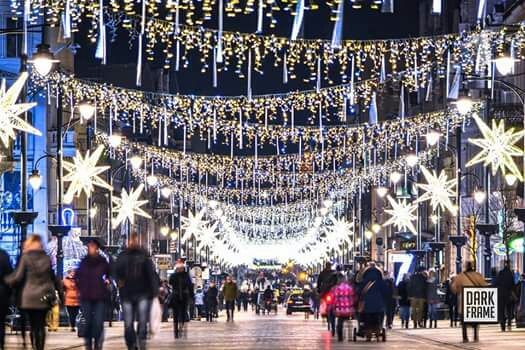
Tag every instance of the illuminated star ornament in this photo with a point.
(339, 232)
(84, 174)
(129, 205)
(497, 148)
(207, 236)
(192, 225)
(438, 190)
(10, 111)
(401, 215)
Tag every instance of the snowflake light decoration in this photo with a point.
(10, 111)
(401, 215)
(129, 205)
(438, 189)
(207, 236)
(193, 224)
(498, 146)
(339, 232)
(84, 174)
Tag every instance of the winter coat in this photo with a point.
(344, 299)
(466, 279)
(71, 293)
(5, 269)
(326, 280)
(91, 277)
(34, 271)
(451, 299)
(230, 291)
(506, 286)
(372, 291)
(210, 297)
(402, 291)
(135, 275)
(417, 286)
(432, 291)
(182, 288)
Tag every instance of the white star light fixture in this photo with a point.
(129, 205)
(401, 215)
(438, 189)
(207, 236)
(193, 224)
(339, 232)
(498, 146)
(83, 173)
(10, 111)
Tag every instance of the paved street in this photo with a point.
(289, 332)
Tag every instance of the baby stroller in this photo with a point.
(369, 325)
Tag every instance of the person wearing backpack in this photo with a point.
(182, 292)
(138, 285)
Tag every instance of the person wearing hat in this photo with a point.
(71, 300)
(92, 278)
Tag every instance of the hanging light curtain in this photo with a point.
(338, 26)
(436, 7)
(298, 20)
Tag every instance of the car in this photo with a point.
(296, 303)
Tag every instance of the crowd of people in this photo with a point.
(92, 291)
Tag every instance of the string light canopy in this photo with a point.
(84, 174)
(497, 148)
(128, 206)
(10, 111)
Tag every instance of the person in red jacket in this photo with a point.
(71, 297)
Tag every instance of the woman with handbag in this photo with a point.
(38, 289)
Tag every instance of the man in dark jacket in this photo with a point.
(210, 300)
(182, 293)
(326, 280)
(138, 284)
(92, 279)
(417, 291)
(5, 293)
(506, 296)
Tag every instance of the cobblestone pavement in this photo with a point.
(277, 332)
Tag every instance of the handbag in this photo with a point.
(155, 317)
(81, 325)
(361, 304)
(50, 298)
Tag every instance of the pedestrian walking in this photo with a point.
(5, 293)
(164, 299)
(404, 301)
(138, 285)
(181, 293)
(451, 300)
(92, 280)
(244, 298)
(417, 291)
(390, 302)
(229, 291)
(326, 280)
(71, 298)
(432, 298)
(210, 299)
(468, 278)
(39, 287)
(343, 303)
(507, 297)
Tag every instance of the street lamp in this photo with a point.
(479, 196)
(382, 191)
(464, 105)
(35, 180)
(136, 162)
(412, 159)
(511, 179)
(504, 64)
(43, 60)
(86, 110)
(395, 177)
(152, 180)
(165, 192)
(433, 137)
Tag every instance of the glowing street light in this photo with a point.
(43, 60)
(86, 110)
(464, 105)
(412, 159)
(35, 180)
(395, 177)
(136, 162)
(504, 64)
(382, 191)
(433, 137)
(511, 179)
(115, 140)
(165, 192)
(479, 196)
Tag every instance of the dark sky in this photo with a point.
(358, 24)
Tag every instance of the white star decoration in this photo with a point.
(402, 215)
(192, 225)
(339, 232)
(497, 147)
(207, 236)
(84, 174)
(10, 110)
(438, 190)
(129, 205)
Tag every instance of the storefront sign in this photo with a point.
(480, 305)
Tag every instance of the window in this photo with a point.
(14, 41)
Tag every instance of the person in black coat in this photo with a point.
(451, 300)
(181, 294)
(5, 293)
(417, 291)
(506, 296)
(210, 301)
(404, 301)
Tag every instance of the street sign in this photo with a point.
(480, 305)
